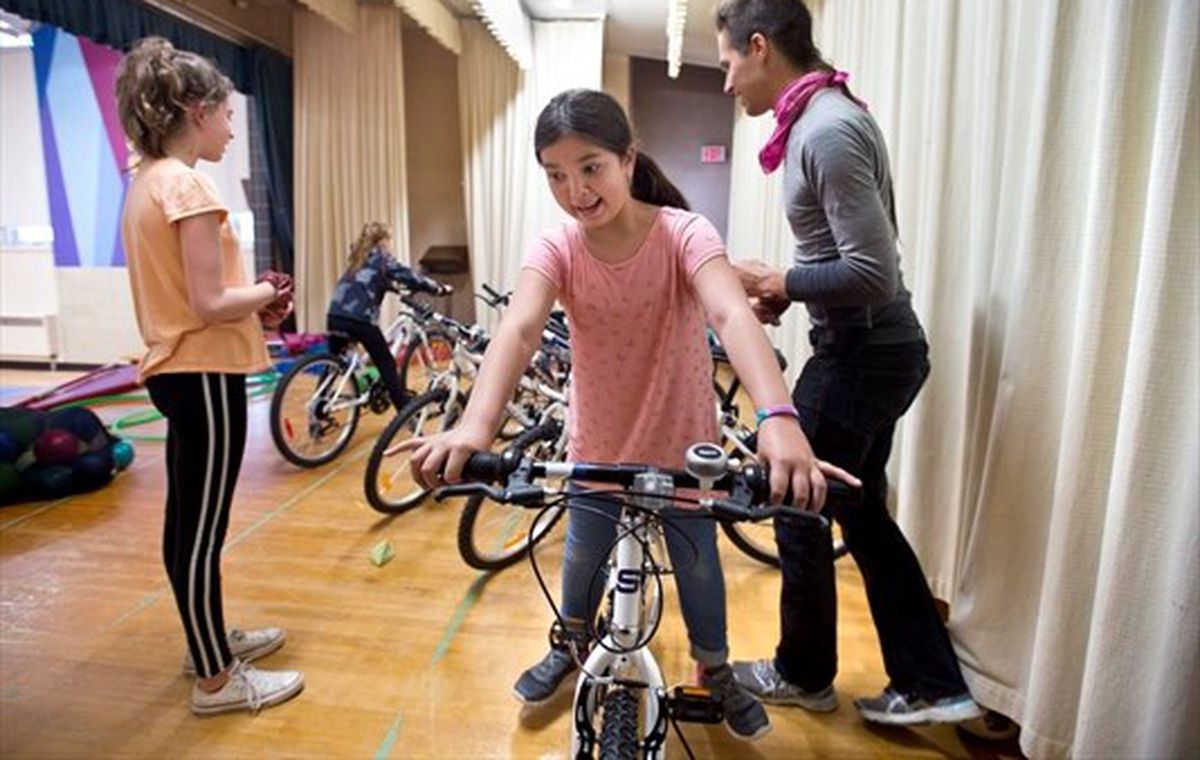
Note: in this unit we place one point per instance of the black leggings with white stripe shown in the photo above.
(206, 436)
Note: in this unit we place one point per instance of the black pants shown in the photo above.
(849, 398)
(206, 436)
(371, 338)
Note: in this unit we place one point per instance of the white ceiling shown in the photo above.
(639, 27)
(634, 27)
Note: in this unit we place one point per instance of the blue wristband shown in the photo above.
(780, 410)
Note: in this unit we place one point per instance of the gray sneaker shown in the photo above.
(761, 679)
(537, 684)
(246, 646)
(744, 715)
(895, 709)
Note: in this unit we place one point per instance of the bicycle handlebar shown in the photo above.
(749, 488)
(491, 297)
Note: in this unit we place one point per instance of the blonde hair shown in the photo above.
(373, 233)
(156, 85)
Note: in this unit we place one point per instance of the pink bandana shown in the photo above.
(788, 107)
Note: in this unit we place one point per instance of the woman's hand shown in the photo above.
(769, 310)
(439, 459)
(761, 280)
(784, 449)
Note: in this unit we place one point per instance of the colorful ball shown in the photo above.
(10, 476)
(10, 447)
(56, 446)
(122, 453)
(83, 423)
(49, 481)
(26, 460)
(93, 469)
(21, 424)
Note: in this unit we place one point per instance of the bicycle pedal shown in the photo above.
(695, 704)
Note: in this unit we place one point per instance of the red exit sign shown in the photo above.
(712, 154)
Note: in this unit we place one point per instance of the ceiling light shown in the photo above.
(676, 20)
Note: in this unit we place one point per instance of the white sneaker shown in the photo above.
(246, 646)
(248, 689)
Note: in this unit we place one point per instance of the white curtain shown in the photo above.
(508, 24)
(350, 163)
(507, 199)
(758, 228)
(566, 54)
(1047, 165)
(497, 137)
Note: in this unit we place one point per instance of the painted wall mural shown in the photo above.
(83, 147)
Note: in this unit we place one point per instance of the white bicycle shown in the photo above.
(622, 707)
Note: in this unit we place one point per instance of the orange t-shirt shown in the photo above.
(177, 340)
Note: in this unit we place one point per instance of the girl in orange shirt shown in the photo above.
(196, 312)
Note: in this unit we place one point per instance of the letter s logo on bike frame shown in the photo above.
(629, 581)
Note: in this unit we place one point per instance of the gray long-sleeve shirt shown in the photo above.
(838, 190)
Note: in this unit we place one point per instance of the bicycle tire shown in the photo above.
(619, 738)
(481, 550)
(435, 352)
(757, 540)
(486, 549)
(424, 415)
(292, 418)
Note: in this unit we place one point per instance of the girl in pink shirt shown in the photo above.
(639, 277)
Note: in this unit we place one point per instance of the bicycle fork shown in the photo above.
(622, 659)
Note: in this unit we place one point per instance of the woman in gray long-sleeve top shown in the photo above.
(870, 360)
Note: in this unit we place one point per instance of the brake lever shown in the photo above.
(525, 495)
(802, 514)
(728, 509)
(469, 489)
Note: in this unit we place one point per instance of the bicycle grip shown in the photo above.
(490, 467)
(837, 493)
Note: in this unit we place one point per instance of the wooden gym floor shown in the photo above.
(412, 659)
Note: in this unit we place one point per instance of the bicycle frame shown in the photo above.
(335, 401)
(622, 656)
(465, 364)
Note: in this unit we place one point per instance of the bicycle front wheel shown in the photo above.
(493, 536)
(314, 411)
(388, 481)
(619, 726)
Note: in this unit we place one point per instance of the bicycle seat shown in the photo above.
(339, 335)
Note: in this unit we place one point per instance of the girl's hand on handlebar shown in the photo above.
(439, 459)
(783, 447)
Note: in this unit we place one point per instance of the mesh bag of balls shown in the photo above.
(49, 455)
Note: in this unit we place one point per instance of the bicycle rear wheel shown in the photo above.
(388, 481)
(314, 411)
(757, 540)
(424, 358)
(619, 738)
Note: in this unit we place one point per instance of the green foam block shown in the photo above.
(382, 553)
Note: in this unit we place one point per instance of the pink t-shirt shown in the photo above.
(641, 384)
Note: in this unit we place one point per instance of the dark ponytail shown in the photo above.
(651, 186)
(599, 119)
